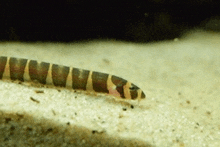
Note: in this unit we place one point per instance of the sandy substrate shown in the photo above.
(180, 78)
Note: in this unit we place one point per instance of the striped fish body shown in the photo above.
(25, 70)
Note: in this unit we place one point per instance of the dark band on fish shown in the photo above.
(38, 71)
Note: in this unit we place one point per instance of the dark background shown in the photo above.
(82, 20)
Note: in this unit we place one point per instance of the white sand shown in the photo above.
(181, 80)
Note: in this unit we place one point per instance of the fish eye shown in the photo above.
(132, 88)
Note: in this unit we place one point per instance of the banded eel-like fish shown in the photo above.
(25, 70)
